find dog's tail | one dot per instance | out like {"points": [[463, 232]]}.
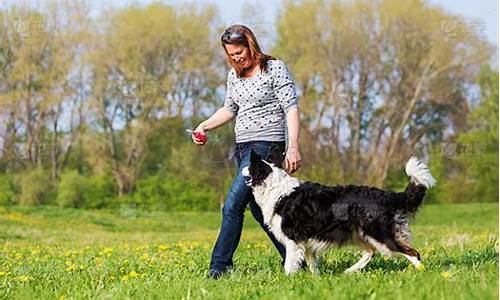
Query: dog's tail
{"points": [[420, 180]]}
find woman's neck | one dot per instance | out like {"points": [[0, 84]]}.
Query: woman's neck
{"points": [[252, 70]]}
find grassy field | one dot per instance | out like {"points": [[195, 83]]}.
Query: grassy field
{"points": [[66, 254]]}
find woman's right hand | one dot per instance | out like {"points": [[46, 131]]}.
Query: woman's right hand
{"points": [[220, 117], [201, 130]]}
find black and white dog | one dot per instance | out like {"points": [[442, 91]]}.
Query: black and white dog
{"points": [[308, 218]]}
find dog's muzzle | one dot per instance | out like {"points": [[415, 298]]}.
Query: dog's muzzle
{"points": [[246, 175], [248, 180]]}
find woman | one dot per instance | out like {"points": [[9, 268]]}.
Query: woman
{"points": [[261, 94]]}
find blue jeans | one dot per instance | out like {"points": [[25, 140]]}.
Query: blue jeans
{"points": [[238, 197]]}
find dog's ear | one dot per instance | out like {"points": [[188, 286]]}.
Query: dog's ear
{"points": [[276, 156], [254, 157]]}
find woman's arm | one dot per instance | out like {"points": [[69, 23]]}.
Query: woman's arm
{"points": [[292, 159], [219, 118]]}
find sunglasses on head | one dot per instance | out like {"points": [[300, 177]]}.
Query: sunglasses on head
{"points": [[229, 37]]}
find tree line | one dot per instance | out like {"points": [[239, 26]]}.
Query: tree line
{"points": [[93, 109]]}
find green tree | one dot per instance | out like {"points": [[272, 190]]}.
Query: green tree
{"points": [[381, 80], [471, 162], [148, 63], [40, 84]]}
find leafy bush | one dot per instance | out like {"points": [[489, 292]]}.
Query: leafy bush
{"points": [[35, 187], [76, 190], [71, 189], [7, 190], [174, 194], [100, 191]]}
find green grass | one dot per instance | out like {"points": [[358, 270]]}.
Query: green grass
{"points": [[52, 253]]}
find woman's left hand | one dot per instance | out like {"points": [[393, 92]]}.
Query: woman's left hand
{"points": [[292, 159]]}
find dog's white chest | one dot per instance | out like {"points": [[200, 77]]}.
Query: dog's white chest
{"points": [[277, 185], [275, 227]]}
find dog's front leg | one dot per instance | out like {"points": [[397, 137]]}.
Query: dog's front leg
{"points": [[294, 257]]}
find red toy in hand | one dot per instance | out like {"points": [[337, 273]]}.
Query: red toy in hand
{"points": [[200, 137]]}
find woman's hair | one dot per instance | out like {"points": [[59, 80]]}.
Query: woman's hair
{"points": [[242, 35]]}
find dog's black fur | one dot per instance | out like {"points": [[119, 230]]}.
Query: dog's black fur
{"points": [[338, 215], [333, 214]]}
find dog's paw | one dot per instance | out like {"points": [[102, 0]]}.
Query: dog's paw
{"points": [[315, 272], [351, 271], [291, 271]]}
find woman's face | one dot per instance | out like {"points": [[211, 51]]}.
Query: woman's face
{"points": [[240, 54]]}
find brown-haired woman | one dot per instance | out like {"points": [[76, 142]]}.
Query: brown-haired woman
{"points": [[261, 93]]}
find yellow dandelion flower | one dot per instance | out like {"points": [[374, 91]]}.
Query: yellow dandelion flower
{"points": [[145, 256], [98, 261], [420, 267], [163, 247], [124, 278], [133, 274], [2, 273], [71, 267], [23, 278], [446, 275]]}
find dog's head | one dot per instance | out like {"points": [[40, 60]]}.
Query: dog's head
{"points": [[258, 170]]}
